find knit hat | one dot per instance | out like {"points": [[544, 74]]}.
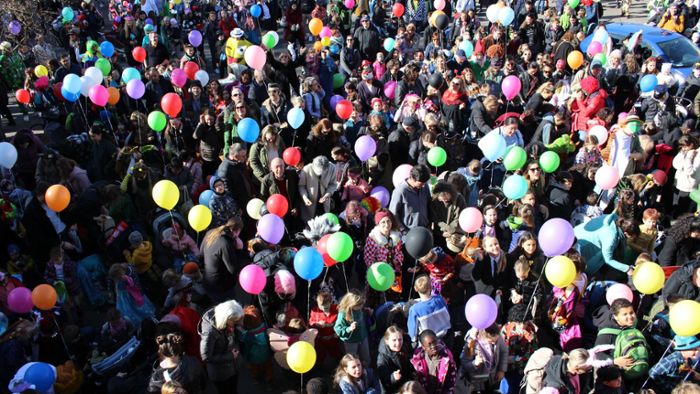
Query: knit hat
{"points": [[285, 283], [590, 85], [686, 343], [379, 216], [660, 177], [135, 238]]}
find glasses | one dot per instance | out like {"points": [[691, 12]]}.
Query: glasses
{"points": [[235, 94], [536, 169], [274, 91], [241, 107]]}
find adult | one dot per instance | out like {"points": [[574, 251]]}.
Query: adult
{"points": [[602, 242], [209, 135], [236, 176], [156, 53], [681, 242], [588, 101], [411, 199], [284, 181], [393, 359], [316, 186], [263, 151], [223, 253], [219, 345], [400, 140], [366, 39], [174, 365]]}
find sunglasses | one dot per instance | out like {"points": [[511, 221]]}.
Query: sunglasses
{"points": [[537, 169], [241, 107]]}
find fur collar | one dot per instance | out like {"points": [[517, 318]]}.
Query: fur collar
{"points": [[381, 240]]}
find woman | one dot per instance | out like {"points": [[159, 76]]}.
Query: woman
{"points": [[174, 365], [526, 247], [602, 243], [455, 105], [321, 140], [483, 117], [316, 186], [569, 373], [442, 376], [73, 176], [535, 179], [384, 245], [681, 242], [231, 116], [492, 227], [223, 253], [539, 102], [219, 345], [446, 205], [352, 378], [687, 165], [393, 360], [269, 147]]}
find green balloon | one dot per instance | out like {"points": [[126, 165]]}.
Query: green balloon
{"points": [[515, 158], [437, 156], [339, 246], [695, 196], [269, 40], [549, 161], [157, 121], [380, 276], [573, 3], [103, 65], [601, 58], [338, 81], [331, 218]]}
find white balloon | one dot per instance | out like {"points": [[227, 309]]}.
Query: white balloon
{"points": [[95, 75], [600, 133], [8, 155], [492, 13], [85, 84], [202, 76]]}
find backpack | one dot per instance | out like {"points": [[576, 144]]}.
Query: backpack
{"points": [[630, 342], [533, 380]]}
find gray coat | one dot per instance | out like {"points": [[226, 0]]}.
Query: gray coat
{"points": [[410, 207], [216, 348], [314, 187]]}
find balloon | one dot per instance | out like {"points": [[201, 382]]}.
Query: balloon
{"points": [[648, 278], [67, 13], [418, 241], [277, 204], [470, 220], [380, 276], [315, 26], [437, 156], [318, 46], [199, 217], [492, 13], [560, 271], [104, 66], [171, 104], [349, 4], [14, 27], [113, 95], [248, 130], [41, 83], [401, 173], [308, 263], [510, 86], [195, 38], [331, 218], [439, 4], [344, 109], [397, 10], [252, 279], [202, 76], [256, 11], [573, 3], [648, 83], [205, 196], [338, 80], [270, 39], [44, 297], [106, 49], [41, 71], [128, 74], [381, 194], [8, 155], [165, 194], [493, 146], [365, 147], [295, 118], [255, 57], [549, 161], [481, 311], [95, 75], [515, 158], [190, 69], [321, 246], [441, 21], [85, 84], [3, 323], [325, 32], [600, 133], [271, 228], [556, 237], [157, 121], [594, 48], [99, 95], [23, 96], [291, 156], [389, 44], [135, 89], [20, 300], [607, 177], [684, 318], [301, 357], [139, 54], [71, 83], [340, 246], [336, 99], [178, 77], [515, 187], [253, 208], [575, 59], [616, 291], [506, 15], [41, 375], [601, 58], [467, 47], [57, 198], [390, 89], [601, 35], [72, 97]]}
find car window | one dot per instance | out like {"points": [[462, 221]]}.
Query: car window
{"points": [[680, 52]]}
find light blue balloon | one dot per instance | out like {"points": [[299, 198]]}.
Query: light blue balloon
{"points": [[295, 117], [3, 323], [70, 96], [506, 16], [308, 263], [601, 36], [515, 187], [107, 49], [248, 130], [67, 13], [467, 47], [205, 196], [130, 73], [71, 83], [493, 146], [335, 49], [389, 44], [255, 11], [648, 83]]}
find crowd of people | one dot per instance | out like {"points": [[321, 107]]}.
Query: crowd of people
{"points": [[382, 196]]}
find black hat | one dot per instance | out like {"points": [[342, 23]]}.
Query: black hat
{"points": [[410, 121]]}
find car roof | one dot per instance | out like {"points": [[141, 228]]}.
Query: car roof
{"points": [[649, 33]]}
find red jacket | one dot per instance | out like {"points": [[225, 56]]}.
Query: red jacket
{"points": [[319, 317], [586, 109]]}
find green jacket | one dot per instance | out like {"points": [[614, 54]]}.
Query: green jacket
{"points": [[342, 328]]}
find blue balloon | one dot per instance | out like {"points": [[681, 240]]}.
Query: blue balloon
{"points": [[506, 15], [335, 49], [3, 323], [41, 375], [493, 145], [107, 49], [248, 130], [308, 263], [69, 96], [205, 196], [255, 11], [648, 83], [67, 13], [130, 73], [295, 117], [71, 83], [335, 100], [515, 187]]}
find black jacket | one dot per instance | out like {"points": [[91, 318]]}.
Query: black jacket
{"points": [[399, 143], [221, 263], [677, 252], [269, 187], [367, 43], [559, 201], [681, 283], [189, 372], [480, 122], [556, 376], [603, 318], [237, 181], [389, 361]]}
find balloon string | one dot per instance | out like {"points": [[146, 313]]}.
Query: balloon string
{"points": [[63, 340], [347, 288], [261, 308], [536, 286], [308, 302], [413, 280]]}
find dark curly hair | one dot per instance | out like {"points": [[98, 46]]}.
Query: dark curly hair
{"points": [[682, 228]]}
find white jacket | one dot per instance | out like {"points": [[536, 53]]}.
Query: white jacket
{"points": [[687, 165]]}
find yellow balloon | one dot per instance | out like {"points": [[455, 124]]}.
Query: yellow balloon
{"points": [[177, 1], [165, 194], [560, 271], [326, 41], [199, 217], [301, 357], [41, 71], [684, 318], [253, 208], [648, 278]]}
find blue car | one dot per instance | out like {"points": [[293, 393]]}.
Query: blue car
{"points": [[672, 47]]}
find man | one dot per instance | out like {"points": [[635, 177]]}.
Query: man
{"points": [[531, 80], [274, 110], [156, 87], [43, 51], [399, 141], [459, 63], [234, 172], [409, 84], [284, 181], [366, 39], [102, 151], [155, 54], [411, 199], [66, 67], [197, 102], [210, 33], [670, 371], [316, 186], [349, 57]]}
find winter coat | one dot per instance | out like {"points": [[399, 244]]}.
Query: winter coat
{"points": [[446, 371], [379, 248], [222, 207], [367, 42], [369, 384], [680, 283], [269, 186], [211, 141], [587, 109], [221, 263], [601, 242], [399, 142], [687, 164], [237, 180], [258, 159], [557, 376], [188, 372], [27, 158], [559, 201], [389, 361], [495, 358], [314, 187], [410, 207], [217, 348], [342, 327], [429, 314], [677, 252]]}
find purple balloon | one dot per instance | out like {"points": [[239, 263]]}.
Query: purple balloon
{"points": [[20, 300], [556, 237], [381, 194], [118, 19], [149, 21], [271, 228], [135, 89], [178, 77], [15, 27], [365, 147], [195, 38], [481, 311], [336, 99]]}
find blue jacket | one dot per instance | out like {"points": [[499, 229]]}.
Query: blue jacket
{"points": [[600, 241], [431, 314]]}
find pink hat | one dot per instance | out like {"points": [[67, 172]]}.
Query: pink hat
{"points": [[285, 283], [379, 216]]}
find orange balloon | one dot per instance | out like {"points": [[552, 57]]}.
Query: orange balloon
{"points": [[44, 297], [315, 26], [57, 198], [113, 95], [575, 59], [318, 46]]}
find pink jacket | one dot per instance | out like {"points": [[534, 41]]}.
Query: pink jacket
{"points": [[186, 244], [446, 374]]}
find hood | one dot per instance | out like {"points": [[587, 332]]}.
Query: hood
{"points": [[556, 368], [688, 270], [206, 325], [558, 186], [266, 259], [603, 318], [385, 351]]}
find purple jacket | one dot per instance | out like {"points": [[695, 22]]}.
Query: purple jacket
{"points": [[447, 370]]}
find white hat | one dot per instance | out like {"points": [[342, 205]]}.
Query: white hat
{"points": [[237, 33], [5, 46]]}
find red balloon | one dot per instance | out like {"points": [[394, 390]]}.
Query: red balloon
{"points": [[344, 109], [398, 10], [171, 104], [23, 96], [57, 91], [139, 54], [321, 247], [191, 69], [277, 204], [291, 156]]}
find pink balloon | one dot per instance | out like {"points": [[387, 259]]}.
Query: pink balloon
{"points": [[252, 279], [439, 4], [99, 95], [390, 89], [255, 57], [618, 290], [178, 77], [594, 48], [349, 4], [326, 32], [401, 173], [42, 83], [381, 194], [20, 300], [510, 86], [622, 116], [607, 177], [470, 220], [135, 89], [365, 147]]}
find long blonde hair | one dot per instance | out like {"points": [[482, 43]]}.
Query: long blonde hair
{"points": [[232, 224], [350, 301], [340, 373]]}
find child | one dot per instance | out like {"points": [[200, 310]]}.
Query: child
{"points": [[351, 327], [181, 243], [589, 153], [255, 345], [564, 312], [485, 358], [646, 240], [323, 317], [352, 378], [139, 253], [194, 274], [178, 288], [489, 268], [356, 188], [114, 332], [61, 268], [379, 66], [609, 381], [520, 335], [472, 174], [130, 300], [670, 371], [589, 210], [439, 266], [522, 294], [19, 265]]}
